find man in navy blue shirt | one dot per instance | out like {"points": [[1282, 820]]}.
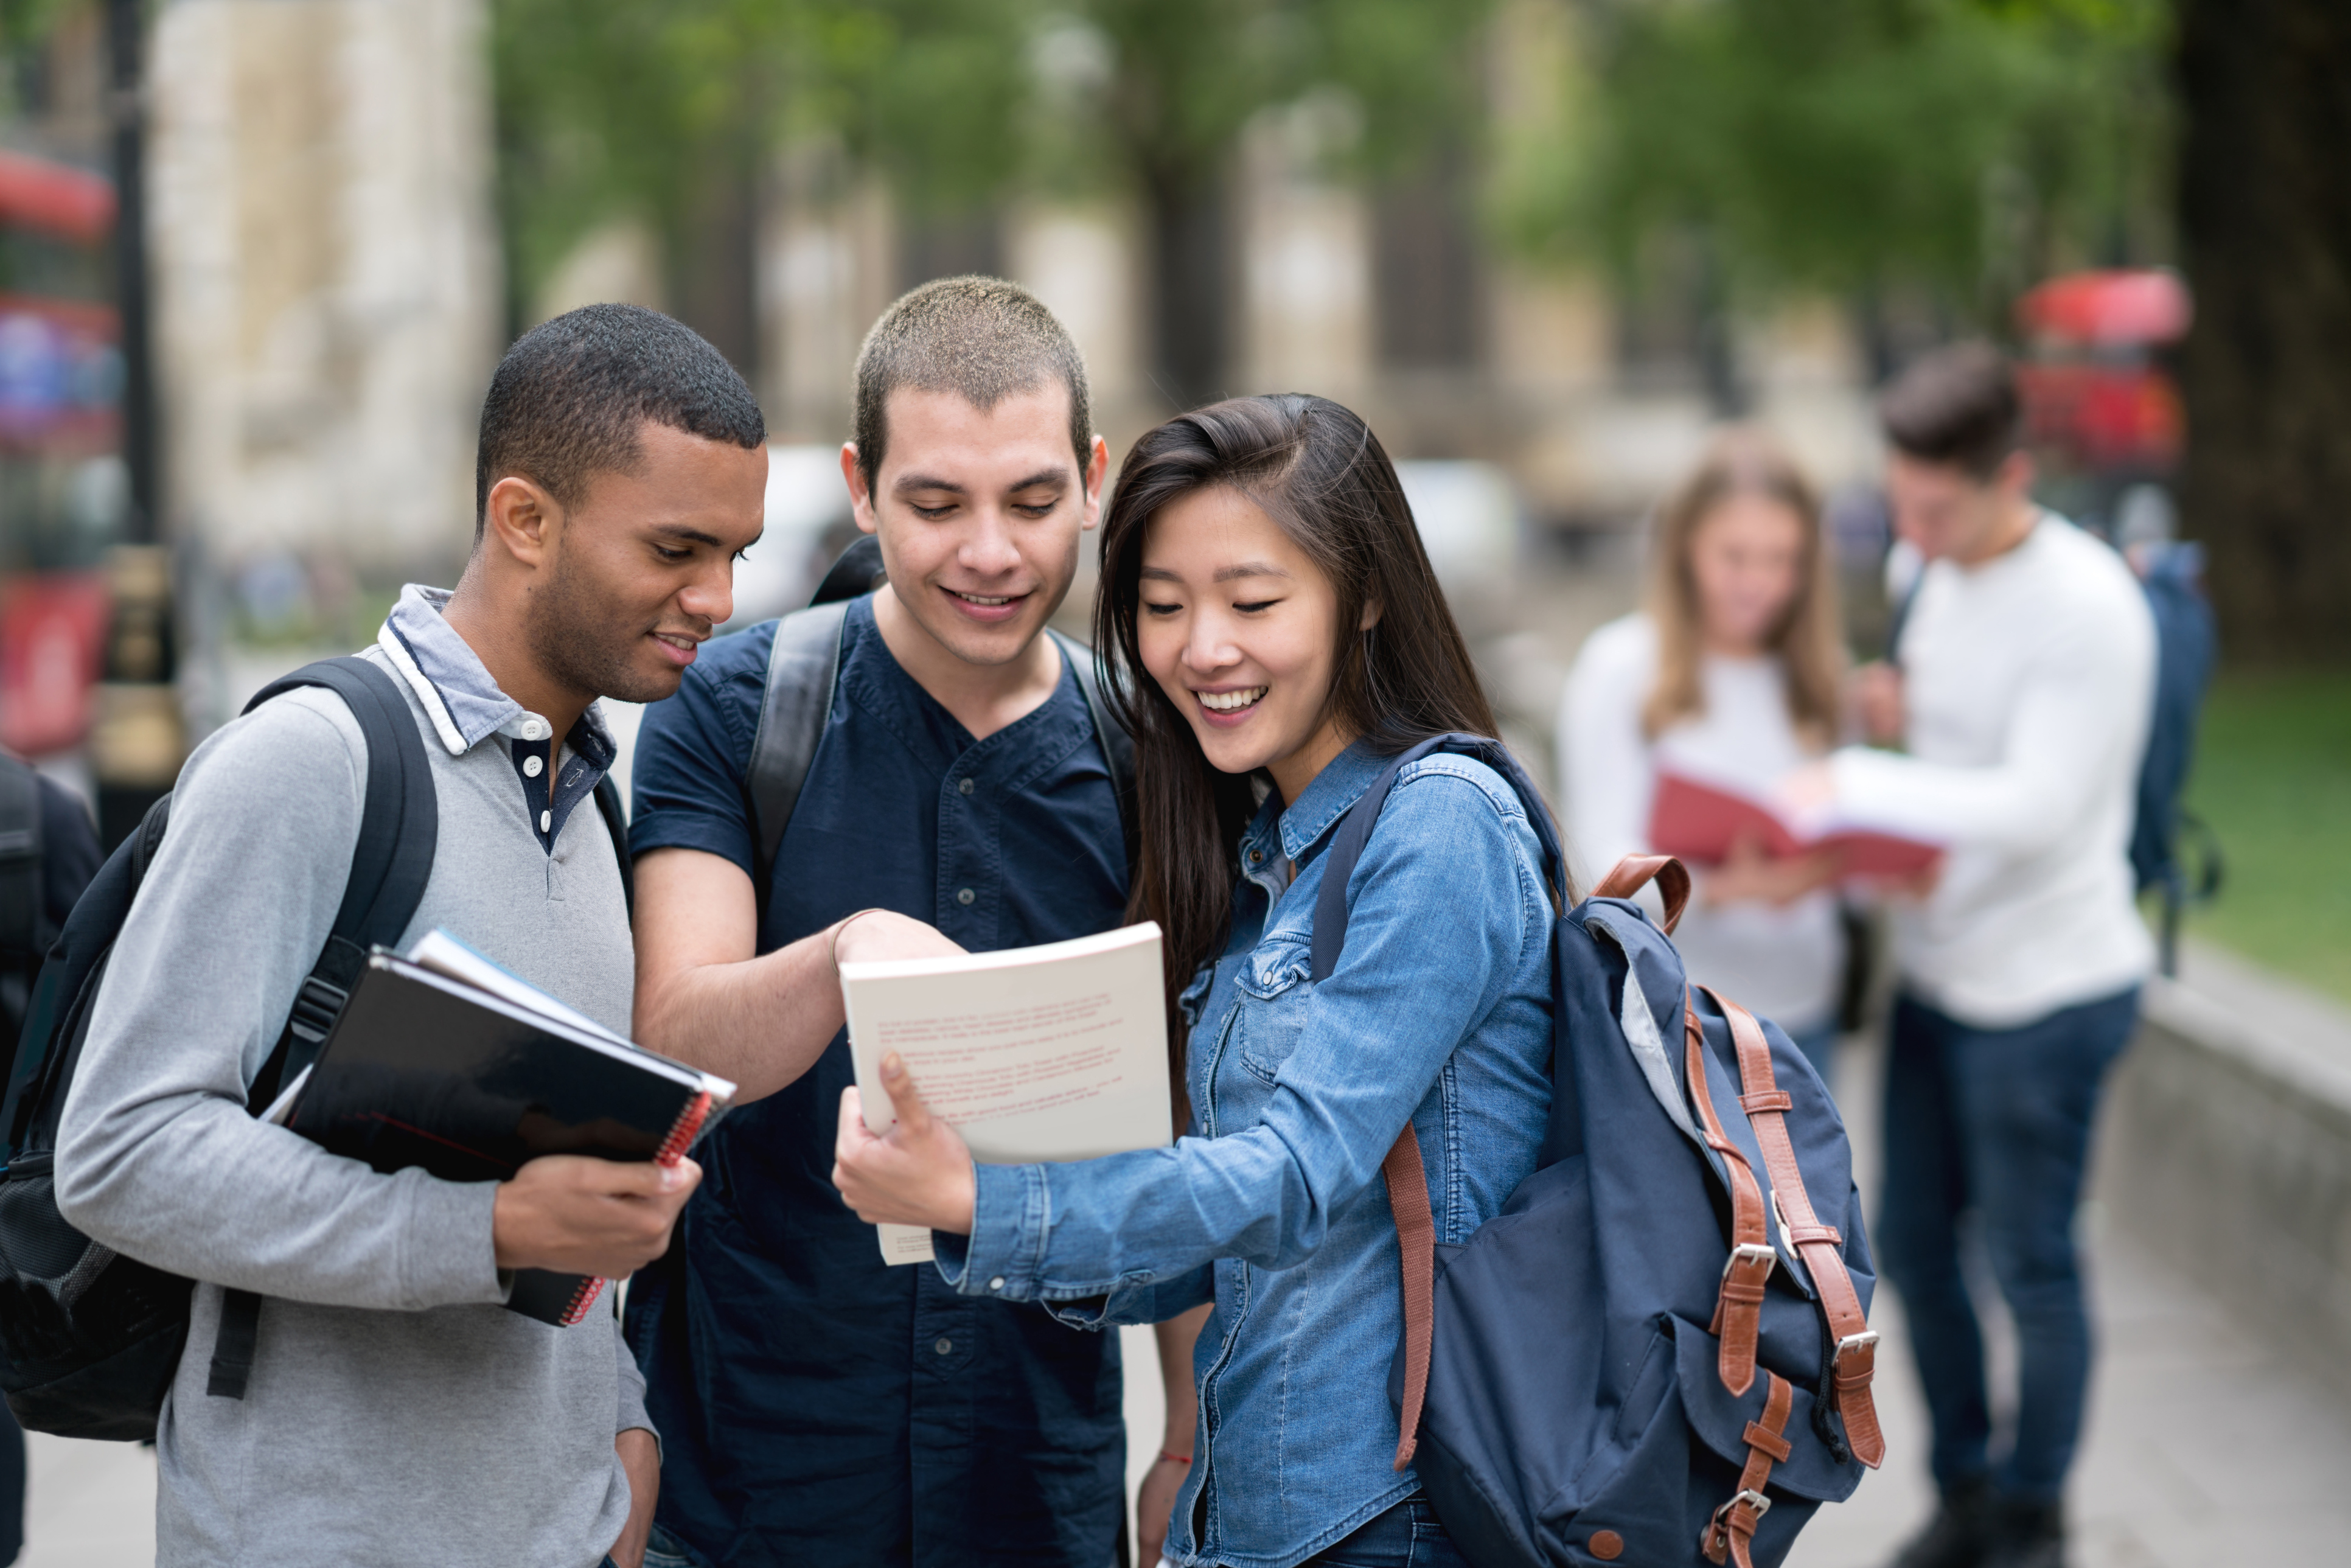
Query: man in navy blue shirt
{"points": [[818, 1407]]}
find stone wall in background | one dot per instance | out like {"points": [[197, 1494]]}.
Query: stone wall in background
{"points": [[327, 303]]}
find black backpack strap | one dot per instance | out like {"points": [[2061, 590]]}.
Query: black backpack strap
{"points": [[801, 670], [400, 827], [23, 924], [1117, 745], [616, 823]]}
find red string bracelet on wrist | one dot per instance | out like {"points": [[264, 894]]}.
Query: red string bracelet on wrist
{"points": [[1184, 1460]]}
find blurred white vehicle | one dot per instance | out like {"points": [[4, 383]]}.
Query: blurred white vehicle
{"points": [[1469, 517]]}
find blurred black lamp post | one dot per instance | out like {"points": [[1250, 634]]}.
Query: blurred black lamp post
{"points": [[138, 739]]}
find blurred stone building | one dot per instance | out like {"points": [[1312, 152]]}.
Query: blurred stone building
{"points": [[1387, 297], [327, 303], [329, 300]]}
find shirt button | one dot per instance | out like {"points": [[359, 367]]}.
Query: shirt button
{"points": [[965, 895], [532, 767], [943, 1345], [963, 786], [1255, 855], [997, 1283], [534, 729], [546, 821]]}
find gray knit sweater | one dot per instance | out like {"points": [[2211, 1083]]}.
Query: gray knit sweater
{"points": [[397, 1414]]}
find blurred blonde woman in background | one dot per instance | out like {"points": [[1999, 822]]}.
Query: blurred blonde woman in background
{"points": [[1731, 673]]}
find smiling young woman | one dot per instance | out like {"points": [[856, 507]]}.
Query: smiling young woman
{"points": [[1730, 674], [1242, 538]]}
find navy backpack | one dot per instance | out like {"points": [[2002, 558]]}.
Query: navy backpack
{"points": [[1659, 1352]]}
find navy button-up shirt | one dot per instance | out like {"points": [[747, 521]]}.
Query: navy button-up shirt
{"points": [[817, 1406]]}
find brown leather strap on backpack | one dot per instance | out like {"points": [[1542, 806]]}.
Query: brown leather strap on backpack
{"points": [[1727, 1534], [1416, 1239], [1852, 1356], [1633, 872], [1738, 1305]]}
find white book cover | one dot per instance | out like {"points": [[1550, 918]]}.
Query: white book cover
{"points": [[1053, 1052]]}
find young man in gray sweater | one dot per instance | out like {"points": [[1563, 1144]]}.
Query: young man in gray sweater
{"points": [[397, 1414]]}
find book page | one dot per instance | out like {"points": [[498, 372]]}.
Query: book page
{"points": [[1055, 1052]]}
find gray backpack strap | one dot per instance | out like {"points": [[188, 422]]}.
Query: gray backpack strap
{"points": [[1117, 745], [802, 671]]}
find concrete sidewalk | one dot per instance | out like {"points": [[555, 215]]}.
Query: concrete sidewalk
{"points": [[2206, 1446]]}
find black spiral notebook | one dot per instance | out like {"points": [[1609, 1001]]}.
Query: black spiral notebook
{"points": [[443, 1061]]}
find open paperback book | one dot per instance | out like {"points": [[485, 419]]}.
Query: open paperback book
{"points": [[444, 1061], [1699, 820], [1053, 1052]]}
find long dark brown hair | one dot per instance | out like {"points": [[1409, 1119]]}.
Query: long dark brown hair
{"points": [[1321, 475]]}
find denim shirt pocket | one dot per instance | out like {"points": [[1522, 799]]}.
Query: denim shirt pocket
{"points": [[1275, 992]]}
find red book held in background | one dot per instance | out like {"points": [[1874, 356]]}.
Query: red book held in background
{"points": [[1699, 822]]}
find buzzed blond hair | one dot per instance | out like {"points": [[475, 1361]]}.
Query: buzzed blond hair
{"points": [[980, 337]]}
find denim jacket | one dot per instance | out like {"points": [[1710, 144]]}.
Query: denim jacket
{"points": [[1439, 1011]]}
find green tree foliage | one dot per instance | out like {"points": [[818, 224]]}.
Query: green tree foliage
{"points": [[637, 105], [1967, 146]]}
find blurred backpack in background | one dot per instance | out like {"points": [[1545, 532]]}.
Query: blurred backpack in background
{"points": [[48, 852], [2186, 645]]}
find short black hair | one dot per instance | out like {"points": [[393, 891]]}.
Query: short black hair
{"points": [[1958, 405], [569, 397], [980, 337]]}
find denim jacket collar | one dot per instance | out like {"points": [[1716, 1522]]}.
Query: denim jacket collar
{"points": [[1323, 801], [459, 695]]}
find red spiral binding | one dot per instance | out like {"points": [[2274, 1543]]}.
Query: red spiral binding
{"points": [[581, 1300], [680, 1135], [681, 1138]]}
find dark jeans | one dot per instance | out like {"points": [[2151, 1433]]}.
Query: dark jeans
{"points": [[1405, 1536], [1997, 1121]]}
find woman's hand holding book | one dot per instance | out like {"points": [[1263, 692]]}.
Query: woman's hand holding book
{"points": [[919, 1174]]}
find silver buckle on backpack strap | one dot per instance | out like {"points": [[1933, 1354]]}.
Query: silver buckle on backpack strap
{"points": [[1866, 1340], [1749, 1252], [1719, 1528]]}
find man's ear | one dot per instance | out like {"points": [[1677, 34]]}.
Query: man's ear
{"points": [[861, 493], [2015, 475], [1097, 470], [522, 519]]}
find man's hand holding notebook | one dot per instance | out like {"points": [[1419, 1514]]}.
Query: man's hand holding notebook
{"points": [[443, 1061]]}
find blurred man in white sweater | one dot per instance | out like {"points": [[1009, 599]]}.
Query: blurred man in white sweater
{"points": [[2020, 687]]}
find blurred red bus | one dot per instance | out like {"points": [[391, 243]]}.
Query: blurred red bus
{"points": [[63, 493]]}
